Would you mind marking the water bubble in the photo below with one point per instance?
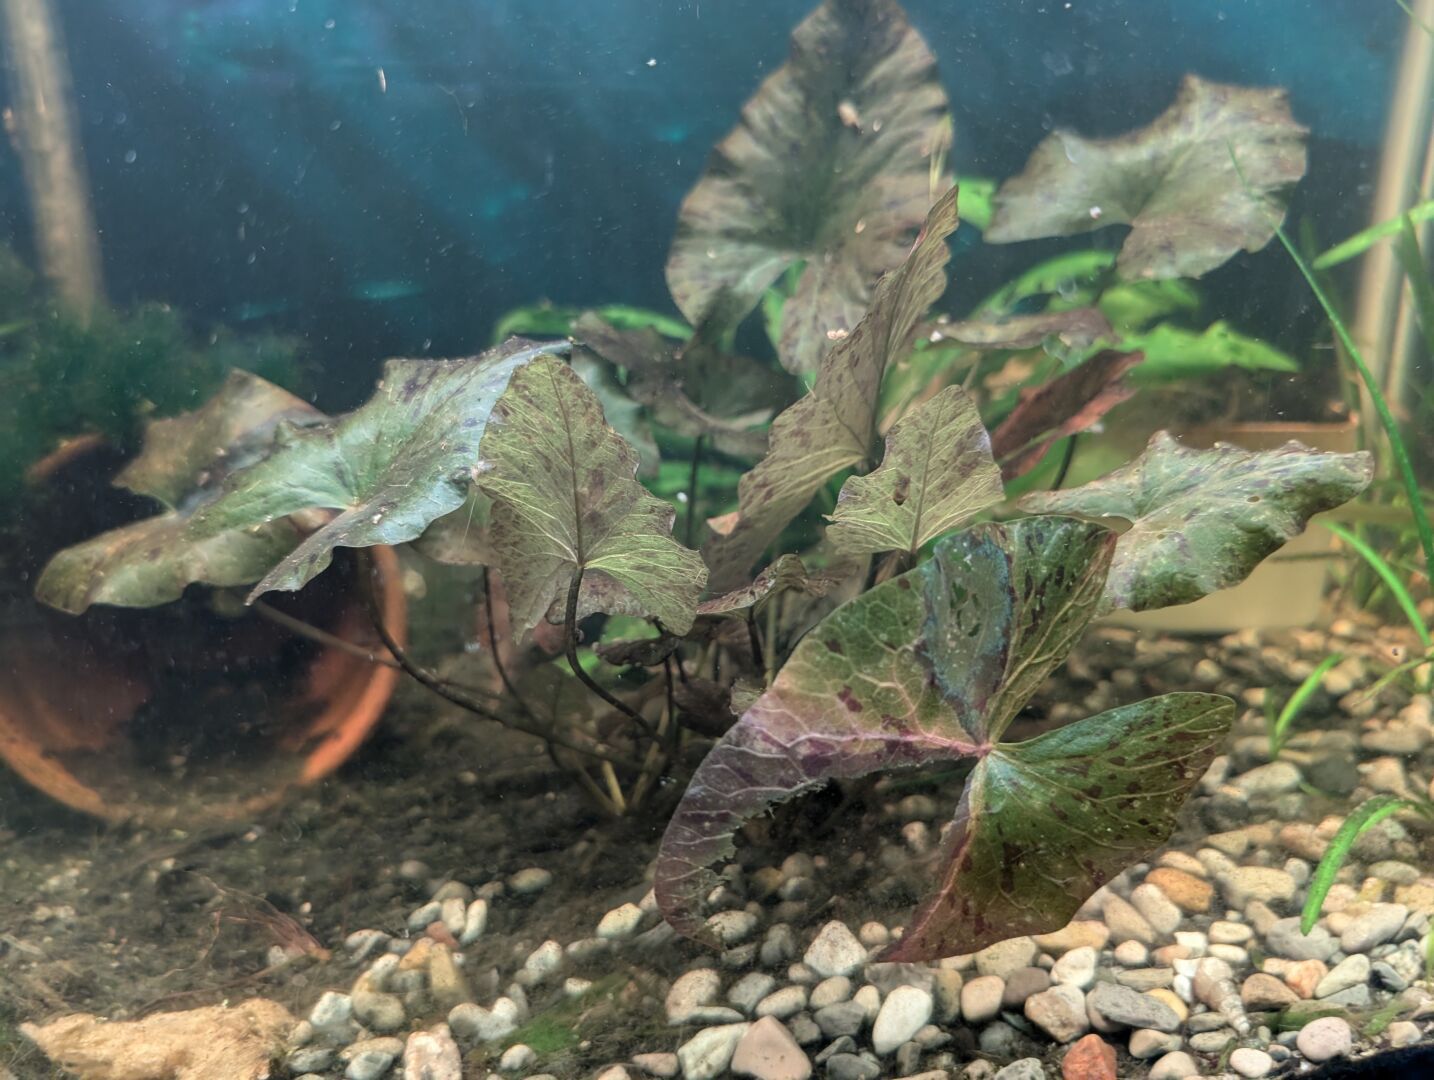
(130, 157)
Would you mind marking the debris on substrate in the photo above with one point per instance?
(537, 950)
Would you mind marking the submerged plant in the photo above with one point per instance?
(526, 459)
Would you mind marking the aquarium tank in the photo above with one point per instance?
(690, 539)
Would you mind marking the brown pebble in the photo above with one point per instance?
(1266, 992)
(1185, 891)
(1092, 1058)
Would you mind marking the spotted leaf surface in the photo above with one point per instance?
(937, 473)
(1201, 520)
(1043, 824)
(391, 467)
(565, 499)
(1174, 182)
(829, 164)
(931, 665)
(834, 426)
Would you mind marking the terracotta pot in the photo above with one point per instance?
(179, 714)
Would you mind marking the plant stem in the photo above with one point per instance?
(443, 689)
(754, 639)
(323, 637)
(689, 522)
(493, 645)
(1066, 458)
(570, 646)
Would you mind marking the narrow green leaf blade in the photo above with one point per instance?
(937, 473)
(1201, 520)
(565, 499)
(1365, 817)
(1045, 823)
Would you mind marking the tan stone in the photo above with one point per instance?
(1187, 892)
(768, 1051)
(1262, 991)
(1304, 976)
(1074, 935)
(237, 1043)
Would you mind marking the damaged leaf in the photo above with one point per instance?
(1067, 404)
(1174, 182)
(1200, 520)
(829, 164)
(566, 501)
(1076, 328)
(937, 473)
(786, 573)
(933, 665)
(184, 461)
(391, 467)
(834, 426)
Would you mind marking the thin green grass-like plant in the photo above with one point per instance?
(1391, 580)
(1365, 817)
(1279, 726)
(1362, 241)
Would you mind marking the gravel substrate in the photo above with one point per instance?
(1189, 964)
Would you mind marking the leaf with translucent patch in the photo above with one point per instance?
(460, 538)
(1175, 182)
(834, 426)
(931, 665)
(628, 417)
(184, 460)
(1065, 405)
(787, 573)
(566, 501)
(391, 467)
(937, 473)
(831, 165)
(1201, 520)
(1075, 328)
(1043, 824)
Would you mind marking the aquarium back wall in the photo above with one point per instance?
(386, 178)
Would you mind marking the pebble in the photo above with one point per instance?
(1284, 939)
(691, 991)
(1131, 954)
(1076, 968)
(1080, 933)
(369, 1064)
(516, 1058)
(1250, 1062)
(1060, 1012)
(844, 1018)
(333, 1011)
(474, 1023)
(1260, 992)
(1007, 956)
(620, 923)
(1160, 911)
(750, 989)
(1323, 1039)
(1090, 1058)
(1263, 883)
(378, 1011)
(732, 927)
(533, 879)
(1023, 1069)
(981, 998)
(1349, 972)
(783, 1003)
(852, 1067)
(1177, 1065)
(869, 998)
(830, 991)
(1146, 1043)
(664, 1066)
(1023, 983)
(1121, 1005)
(1125, 922)
(707, 1054)
(1275, 778)
(1376, 926)
(1404, 1033)
(904, 1012)
(835, 951)
(1189, 893)
(767, 1051)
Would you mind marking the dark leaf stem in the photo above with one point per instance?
(450, 693)
(570, 644)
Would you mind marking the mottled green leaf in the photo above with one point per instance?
(1174, 182)
(1201, 520)
(391, 467)
(937, 473)
(565, 500)
(830, 164)
(152, 561)
(834, 426)
(184, 460)
(627, 417)
(930, 665)
(1043, 824)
